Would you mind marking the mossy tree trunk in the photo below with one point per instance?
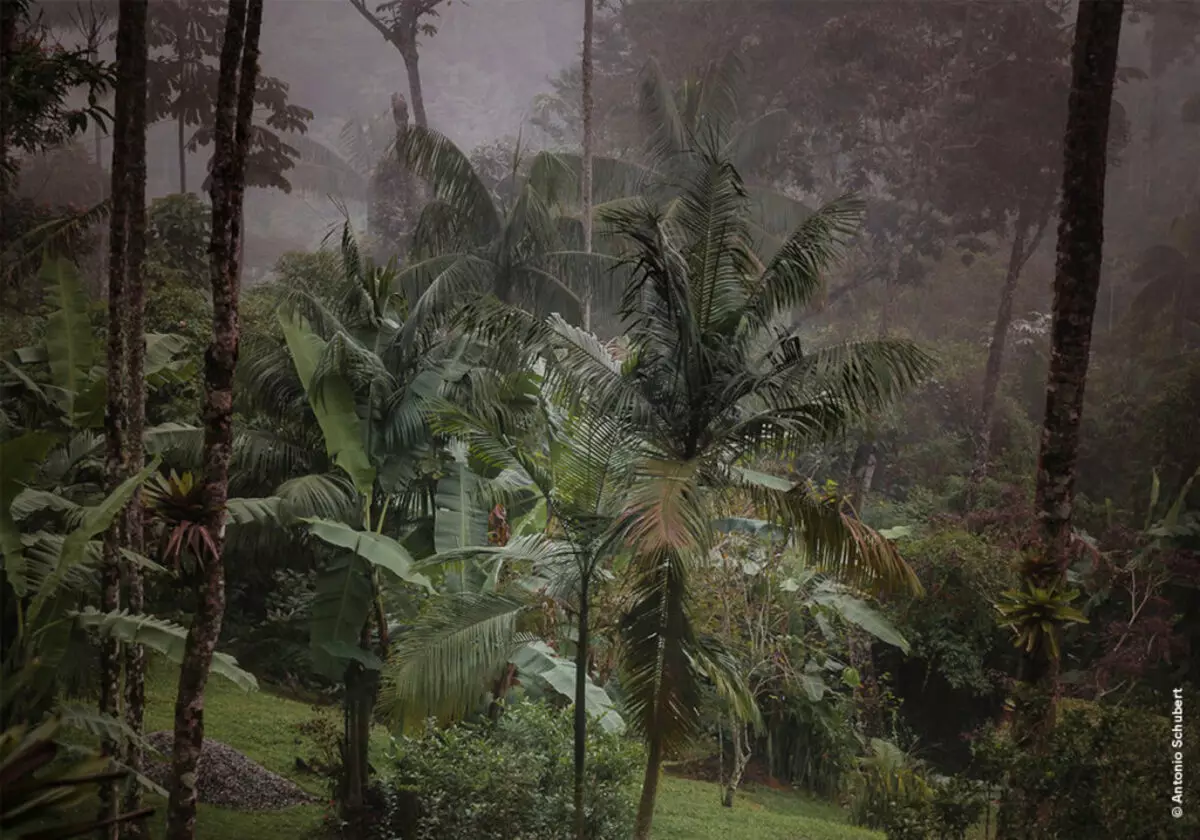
(1076, 285)
(135, 344)
(125, 341)
(238, 76)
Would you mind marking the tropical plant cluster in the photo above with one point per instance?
(640, 448)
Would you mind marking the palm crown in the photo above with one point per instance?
(711, 386)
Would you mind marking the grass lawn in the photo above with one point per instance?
(692, 810)
(263, 726)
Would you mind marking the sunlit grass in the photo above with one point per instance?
(264, 727)
(692, 810)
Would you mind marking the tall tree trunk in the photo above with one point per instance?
(135, 342)
(862, 474)
(412, 68)
(581, 670)
(180, 121)
(356, 738)
(181, 146)
(585, 185)
(9, 12)
(740, 745)
(1076, 284)
(1018, 255)
(131, 34)
(238, 75)
(645, 811)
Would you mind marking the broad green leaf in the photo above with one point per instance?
(539, 660)
(335, 410)
(96, 521)
(813, 686)
(860, 614)
(70, 346)
(266, 510)
(753, 527)
(762, 479)
(460, 520)
(346, 652)
(338, 611)
(159, 635)
(376, 549)
(19, 460)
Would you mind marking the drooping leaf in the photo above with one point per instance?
(861, 614)
(70, 345)
(443, 665)
(19, 459)
(460, 520)
(159, 635)
(96, 521)
(376, 549)
(537, 660)
(338, 611)
(334, 407)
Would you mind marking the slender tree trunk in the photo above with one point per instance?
(135, 291)
(355, 764)
(1018, 255)
(181, 146)
(9, 13)
(412, 68)
(581, 721)
(645, 811)
(741, 758)
(1076, 284)
(180, 122)
(238, 76)
(130, 35)
(862, 475)
(585, 185)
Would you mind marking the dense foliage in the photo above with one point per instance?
(706, 458)
(509, 780)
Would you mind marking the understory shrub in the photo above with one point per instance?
(1104, 773)
(954, 806)
(508, 780)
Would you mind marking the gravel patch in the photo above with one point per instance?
(229, 779)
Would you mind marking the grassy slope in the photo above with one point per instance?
(264, 727)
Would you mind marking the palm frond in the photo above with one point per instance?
(435, 158)
(319, 169)
(793, 277)
(832, 539)
(161, 636)
(442, 666)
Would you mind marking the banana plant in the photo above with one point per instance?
(364, 391)
(42, 790)
(62, 379)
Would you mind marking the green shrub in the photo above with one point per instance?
(889, 782)
(508, 780)
(1103, 774)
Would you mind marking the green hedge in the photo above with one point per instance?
(509, 780)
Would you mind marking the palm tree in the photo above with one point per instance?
(571, 469)
(711, 385)
(1042, 606)
(673, 121)
(508, 243)
(1169, 275)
